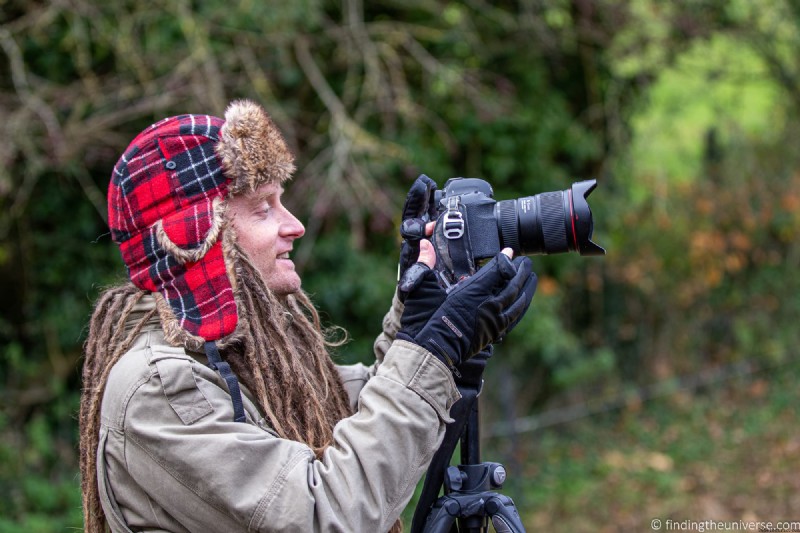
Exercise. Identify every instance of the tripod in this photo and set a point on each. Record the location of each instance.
(468, 501)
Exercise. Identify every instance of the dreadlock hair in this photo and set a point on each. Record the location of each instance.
(281, 357)
(106, 343)
(287, 368)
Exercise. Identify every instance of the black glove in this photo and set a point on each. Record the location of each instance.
(419, 209)
(470, 372)
(422, 296)
(474, 314)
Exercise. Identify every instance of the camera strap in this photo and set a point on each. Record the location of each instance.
(451, 241)
(215, 362)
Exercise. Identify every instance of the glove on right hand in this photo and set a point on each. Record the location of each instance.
(418, 210)
(477, 312)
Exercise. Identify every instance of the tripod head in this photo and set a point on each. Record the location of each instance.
(469, 500)
(474, 478)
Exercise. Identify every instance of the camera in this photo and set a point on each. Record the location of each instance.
(472, 226)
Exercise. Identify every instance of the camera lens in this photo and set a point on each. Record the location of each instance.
(549, 223)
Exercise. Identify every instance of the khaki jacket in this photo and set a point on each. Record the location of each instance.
(170, 457)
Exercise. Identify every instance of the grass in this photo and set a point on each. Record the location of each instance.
(729, 453)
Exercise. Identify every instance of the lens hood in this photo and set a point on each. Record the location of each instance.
(580, 218)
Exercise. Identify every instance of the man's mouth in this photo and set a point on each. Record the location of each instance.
(284, 255)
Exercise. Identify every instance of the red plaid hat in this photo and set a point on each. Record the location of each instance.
(166, 203)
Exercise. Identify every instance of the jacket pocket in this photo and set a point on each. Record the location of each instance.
(113, 514)
(181, 390)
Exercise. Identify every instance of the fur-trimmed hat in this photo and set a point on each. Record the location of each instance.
(166, 203)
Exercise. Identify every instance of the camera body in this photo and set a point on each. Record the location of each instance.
(473, 226)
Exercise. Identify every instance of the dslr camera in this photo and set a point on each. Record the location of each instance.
(472, 226)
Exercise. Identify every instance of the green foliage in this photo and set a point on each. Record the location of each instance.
(719, 85)
(38, 478)
(725, 451)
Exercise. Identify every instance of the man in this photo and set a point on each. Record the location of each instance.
(210, 402)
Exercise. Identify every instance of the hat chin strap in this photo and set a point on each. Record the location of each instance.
(215, 362)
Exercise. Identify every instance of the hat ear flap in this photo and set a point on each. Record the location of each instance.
(180, 234)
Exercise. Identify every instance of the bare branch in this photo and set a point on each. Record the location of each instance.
(26, 93)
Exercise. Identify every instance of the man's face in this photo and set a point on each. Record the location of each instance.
(266, 230)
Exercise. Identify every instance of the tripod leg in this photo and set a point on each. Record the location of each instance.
(504, 515)
(442, 516)
(441, 459)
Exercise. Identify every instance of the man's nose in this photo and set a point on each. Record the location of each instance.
(291, 226)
